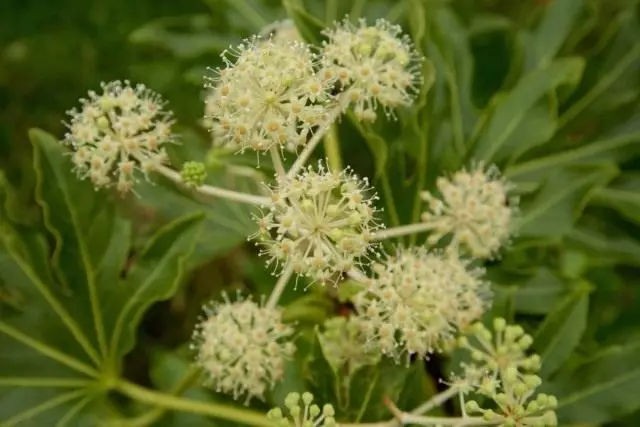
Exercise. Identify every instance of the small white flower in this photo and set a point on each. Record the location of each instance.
(474, 208)
(243, 347)
(268, 97)
(373, 64)
(418, 299)
(117, 132)
(320, 223)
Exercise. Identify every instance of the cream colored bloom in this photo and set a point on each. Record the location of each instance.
(243, 347)
(118, 132)
(418, 299)
(374, 65)
(474, 209)
(268, 95)
(321, 223)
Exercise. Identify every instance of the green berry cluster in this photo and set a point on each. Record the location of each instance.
(193, 174)
(306, 415)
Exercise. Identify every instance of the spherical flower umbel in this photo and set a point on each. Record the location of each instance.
(268, 97)
(375, 65)
(416, 300)
(474, 209)
(243, 347)
(116, 132)
(308, 414)
(320, 223)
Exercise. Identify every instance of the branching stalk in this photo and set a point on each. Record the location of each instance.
(216, 191)
(402, 230)
(280, 285)
(317, 137)
(238, 415)
(277, 161)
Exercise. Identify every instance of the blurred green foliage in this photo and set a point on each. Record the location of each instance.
(547, 89)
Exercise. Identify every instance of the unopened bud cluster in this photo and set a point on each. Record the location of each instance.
(472, 208)
(193, 174)
(243, 347)
(302, 412)
(344, 345)
(118, 132)
(418, 299)
(509, 380)
(320, 223)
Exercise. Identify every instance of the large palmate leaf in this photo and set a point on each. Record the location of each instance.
(55, 339)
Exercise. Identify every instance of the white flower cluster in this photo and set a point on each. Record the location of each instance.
(320, 223)
(474, 209)
(243, 347)
(419, 299)
(307, 415)
(372, 64)
(270, 96)
(117, 132)
(503, 372)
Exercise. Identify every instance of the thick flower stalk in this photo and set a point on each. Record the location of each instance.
(474, 209)
(118, 132)
(243, 347)
(344, 345)
(503, 372)
(268, 96)
(374, 65)
(320, 223)
(308, 414)
(417, 300)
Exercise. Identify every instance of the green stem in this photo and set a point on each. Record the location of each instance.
(421, 167)
(281, 284)
(402, 230)
(216, 410)
(389, 202)
(276, 159)
(332, 149)
(154, 415)
(209, 190)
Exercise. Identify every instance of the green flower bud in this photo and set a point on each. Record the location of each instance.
(193, 174)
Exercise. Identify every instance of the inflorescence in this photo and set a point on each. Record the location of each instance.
(502, 371)
(243, 347)
(320, 223)
(119, 131)
(418, 299)
(474, 209)
(275, 93)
